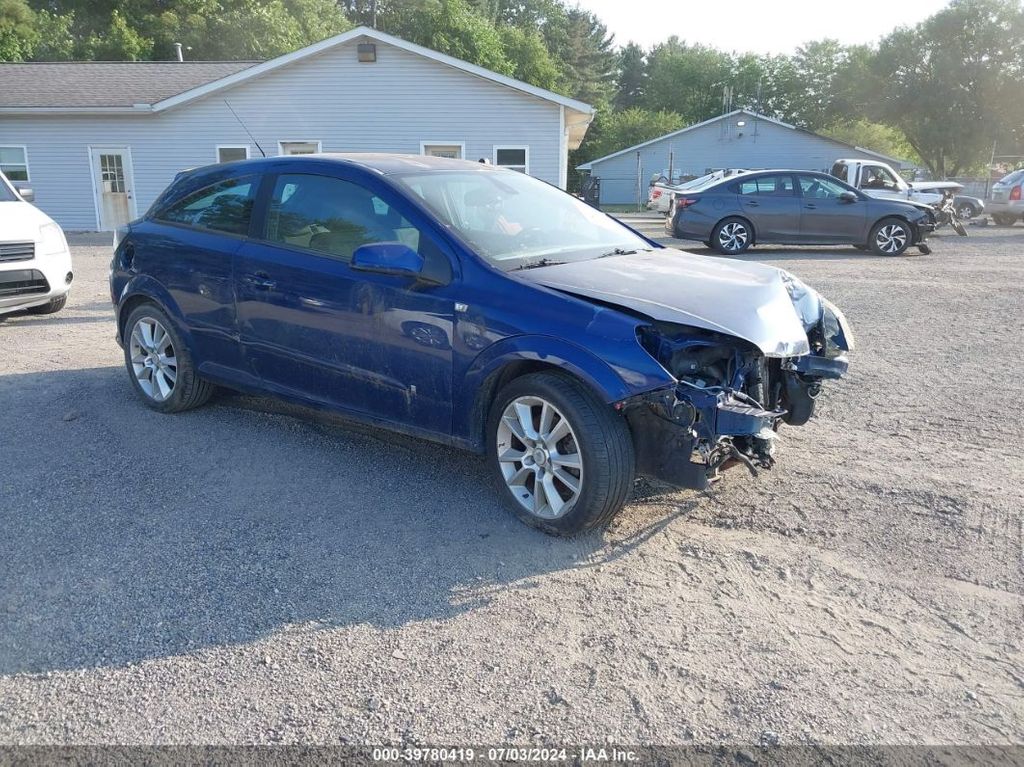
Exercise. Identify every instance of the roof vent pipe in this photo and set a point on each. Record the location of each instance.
(177, 52)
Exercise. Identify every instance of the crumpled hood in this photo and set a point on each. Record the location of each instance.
(741, 299)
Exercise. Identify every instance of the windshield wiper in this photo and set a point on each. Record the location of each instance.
(624, 252)
(535, 264)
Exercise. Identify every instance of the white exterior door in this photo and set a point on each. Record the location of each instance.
(113, 186)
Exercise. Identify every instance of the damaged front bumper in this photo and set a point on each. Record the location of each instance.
(685, 434)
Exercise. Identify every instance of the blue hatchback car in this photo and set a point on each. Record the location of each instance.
(475, 306)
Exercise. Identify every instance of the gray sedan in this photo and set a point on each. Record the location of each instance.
(797, 208)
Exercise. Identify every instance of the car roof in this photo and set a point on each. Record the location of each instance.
(379, 162)
(770, 172)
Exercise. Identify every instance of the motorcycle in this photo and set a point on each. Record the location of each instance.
(946, 213)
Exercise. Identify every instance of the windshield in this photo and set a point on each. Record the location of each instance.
(1013, 178)
(515, 221)
(6, 192)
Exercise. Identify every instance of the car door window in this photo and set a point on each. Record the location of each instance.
(878, 178)
(819, 188)
(223, 207)
(767, 186)
(333, 217)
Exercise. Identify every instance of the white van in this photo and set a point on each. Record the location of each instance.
(35, 263)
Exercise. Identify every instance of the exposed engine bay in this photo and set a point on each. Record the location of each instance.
(730, 398)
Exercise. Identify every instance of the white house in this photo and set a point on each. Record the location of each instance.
(98, 141)
(738, 139)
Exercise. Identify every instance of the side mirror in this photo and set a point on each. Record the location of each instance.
(26, 193)
(388, 258)
(847, 196)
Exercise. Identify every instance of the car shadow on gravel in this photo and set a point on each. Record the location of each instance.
(130, 535)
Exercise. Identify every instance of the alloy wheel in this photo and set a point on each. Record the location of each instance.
(733, 236)
(891, 238)
(539, 457)
(153, 361)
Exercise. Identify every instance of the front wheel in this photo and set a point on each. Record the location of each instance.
(890, 237)
(732, 236)
(562, 459)
(965, 211)
(159, 363)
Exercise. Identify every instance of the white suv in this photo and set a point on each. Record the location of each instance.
(35, 264)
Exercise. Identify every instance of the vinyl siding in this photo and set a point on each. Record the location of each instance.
(762, 145)
(389, 106)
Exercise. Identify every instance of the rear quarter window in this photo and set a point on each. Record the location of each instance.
(225, 206)
(1013, 178)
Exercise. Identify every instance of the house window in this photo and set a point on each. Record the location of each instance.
(299, 147)
(453, 150)
(232, 152)
(513, 157)
(14, 163)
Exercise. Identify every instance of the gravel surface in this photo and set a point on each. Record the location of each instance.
(254, 572)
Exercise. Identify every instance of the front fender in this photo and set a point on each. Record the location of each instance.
(610, 381)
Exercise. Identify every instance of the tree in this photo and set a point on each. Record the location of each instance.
(874, 136)
(56, 41)
(209, 29)
(764, 84)
(826, 83)
(18, 35)
(529, 58)
(952, 81)
(613, 131)
(632, 75)
(687, 79)
(584, 52)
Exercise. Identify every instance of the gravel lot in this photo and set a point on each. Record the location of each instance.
(253, 572)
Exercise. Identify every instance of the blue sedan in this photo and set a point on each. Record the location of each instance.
(475, 306)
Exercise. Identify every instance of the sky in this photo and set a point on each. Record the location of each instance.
(760, 26)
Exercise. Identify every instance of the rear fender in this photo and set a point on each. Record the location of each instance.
(143, 287)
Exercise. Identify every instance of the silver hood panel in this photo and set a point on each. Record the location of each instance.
(741, 299)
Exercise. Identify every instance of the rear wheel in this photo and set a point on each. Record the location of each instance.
(159, 363)
(1003, 219)
(732, 236)
(52, 306)
(562, 459)
(965, 211)
(890, 237)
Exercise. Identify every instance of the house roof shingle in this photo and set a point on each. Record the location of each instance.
(106, 83)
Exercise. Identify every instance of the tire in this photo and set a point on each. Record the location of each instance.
(1003, 219)
(596, 440)
(53, 306)
(171, 384)
(890, 237)
(965, 212)
(731, 236)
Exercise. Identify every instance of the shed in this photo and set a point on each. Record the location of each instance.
(738, 139)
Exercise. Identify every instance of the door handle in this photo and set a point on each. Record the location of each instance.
(260, 280)
(811, 206)
(752, 203)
